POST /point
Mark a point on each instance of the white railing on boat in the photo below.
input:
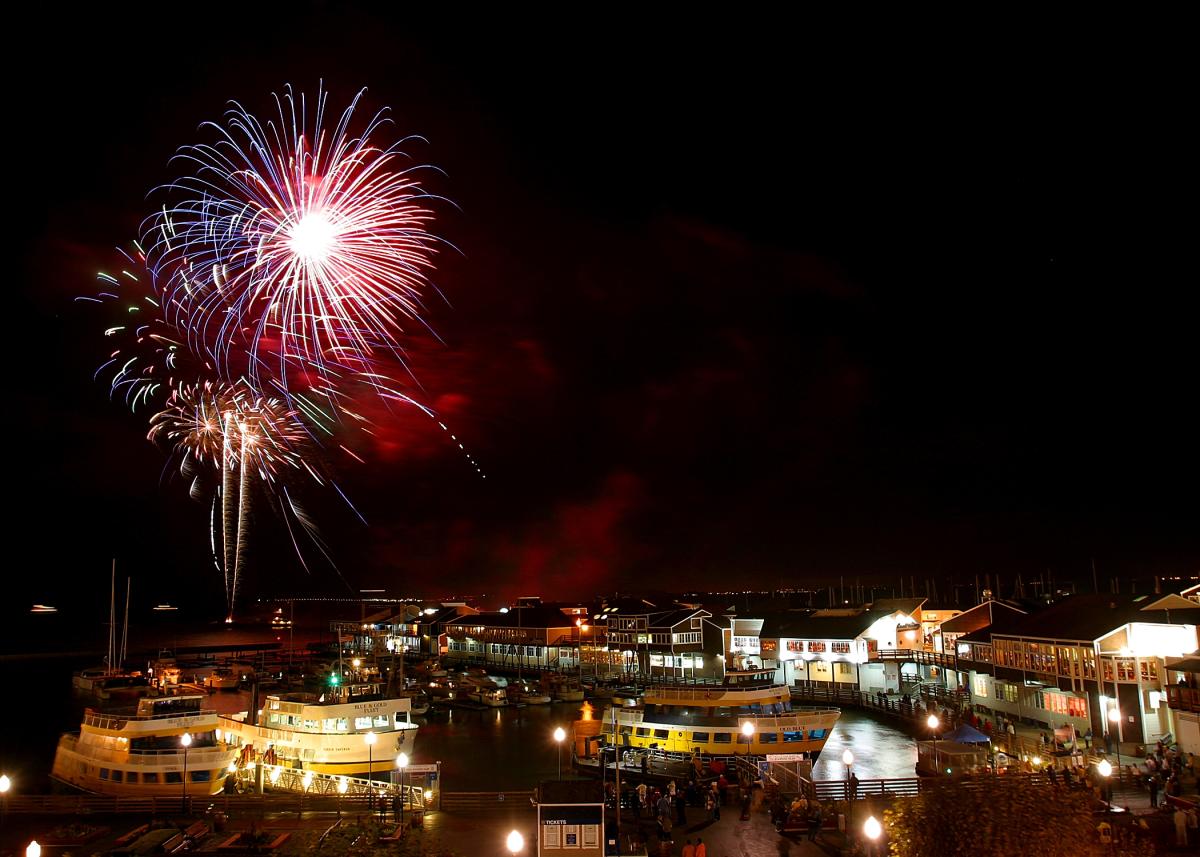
(198, 756)
(99, 720)
(715, 693)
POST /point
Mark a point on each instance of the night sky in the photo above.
(738, 303)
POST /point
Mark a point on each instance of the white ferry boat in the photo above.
(140, 753)
(747, 713)
(328, 733)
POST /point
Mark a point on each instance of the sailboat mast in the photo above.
(125, 627)
(112, 618)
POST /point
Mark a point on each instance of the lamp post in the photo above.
(1105, 770)
(33, 849)
(748, 733)
(1114, 717)
(873, 830)
(185, 741)
(933, 724)
(515, 842)
(401, 764)
(342, 786)
(848, 761)
(5, 785)
(559, 737)
(370, 738)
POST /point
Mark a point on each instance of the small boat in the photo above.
(524, 694)
(418, 700)
(566, 691)
(222, 678)
(493, 697)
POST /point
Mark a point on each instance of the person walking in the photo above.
(814, 821)
(680, 809)
(689, 850)
(1153, 783)
(1087, 738)
(701, 850)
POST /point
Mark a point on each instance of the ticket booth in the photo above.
(570, 819)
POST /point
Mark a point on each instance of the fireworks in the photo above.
(294, 250)
(274, 288)
(246, 439)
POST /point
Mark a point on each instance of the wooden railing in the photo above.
(487, 801)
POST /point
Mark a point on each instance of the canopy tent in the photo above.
(966, 734)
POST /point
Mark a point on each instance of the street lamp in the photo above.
(748, 732)
(933, 724)
(5, 785)
(370, 738)
(559, 736)
(33, 850)
(515, 842)
(848, 761)
(1114, 717)
(402, 763)
(186, 741)
(1105, 770)
(873, 830)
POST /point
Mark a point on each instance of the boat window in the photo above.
(768, 737)
(104, 773)
(329, 724)
(342, 724)
(817, 734)
(700, 737)
(150, 777)
(642, 732)
(661, 733)
(362, 722)
(793, 736)
(624, 730)
(202, 776)
(174, 777)
(274, 718)
(402, 718)
(382, 721)
(311, 725)
(722, 738)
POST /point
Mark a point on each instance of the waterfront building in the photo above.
(952, 638)
(1183, 698)
(539, 638)
(853, 646)
(668, 643)
(1081, 657)
(424, 631)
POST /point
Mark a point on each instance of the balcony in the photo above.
(1183, 698)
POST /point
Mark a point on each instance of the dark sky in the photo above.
(739, 302)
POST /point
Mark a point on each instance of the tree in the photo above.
(1001, 816)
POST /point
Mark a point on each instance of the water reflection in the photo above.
(881, 750)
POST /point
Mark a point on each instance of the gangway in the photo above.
(280, 778)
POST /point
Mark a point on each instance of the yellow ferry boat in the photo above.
(747, 713)
(164, 747)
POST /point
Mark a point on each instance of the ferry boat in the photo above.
(712, 718)
(140, 753)
(327, 733)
